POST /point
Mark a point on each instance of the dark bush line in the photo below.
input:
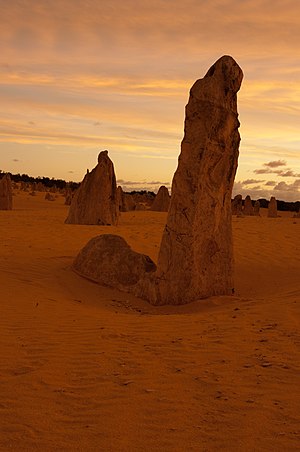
(46, 181)
(142, 192)
(60, 183)
(283, 206)
(286, 206)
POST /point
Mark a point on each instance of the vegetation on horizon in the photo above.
(61, 184)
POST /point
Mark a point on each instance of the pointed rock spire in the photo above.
(95, 201)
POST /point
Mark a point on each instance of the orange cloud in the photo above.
(128, 66)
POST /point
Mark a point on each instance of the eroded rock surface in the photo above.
(49, 197)
(196, 257)
(256, 208)
(272, 208)
(6, 193)
(129, 202)
(237, 205)
(248, 207)
(109, 260)
(95, 201)
(162, 200)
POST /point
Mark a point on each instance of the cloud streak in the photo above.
(281, 173)
(275, 164)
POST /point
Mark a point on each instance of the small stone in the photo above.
(126, 383)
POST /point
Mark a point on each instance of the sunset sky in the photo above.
(80, 76)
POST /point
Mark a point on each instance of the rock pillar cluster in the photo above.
(196, 257)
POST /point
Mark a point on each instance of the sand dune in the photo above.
(88, 368)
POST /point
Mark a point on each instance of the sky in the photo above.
(81, 76)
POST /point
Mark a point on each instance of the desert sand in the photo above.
(89, 368)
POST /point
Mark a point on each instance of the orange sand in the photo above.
(88, 368)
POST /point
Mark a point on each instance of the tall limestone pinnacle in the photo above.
(196, 257)
(95, 202)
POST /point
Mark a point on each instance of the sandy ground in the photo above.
(88, 368)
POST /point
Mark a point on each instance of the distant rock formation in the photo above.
(196, 258)
(248, 208)
(121, 268)
(68, 197)
(145, 197)
(125, 201)
(95, 201)
(162, 200)
(256, 209)
(140, 206)
(49, 197)
(272, 208)
(40, 186)
(120, 198)
(6, 193)
(129, 202)
(237, 205)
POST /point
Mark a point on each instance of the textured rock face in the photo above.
(120, 199)
(272, 208)
(125, 201)
(162, 200)
(40, 187)
(196, 258)
(6, 194)
(237, 205)
(68, 197)
(95, 201)
(256, 208)
(109, 260)
(248, 208)
(129, 202)
(140, 206)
